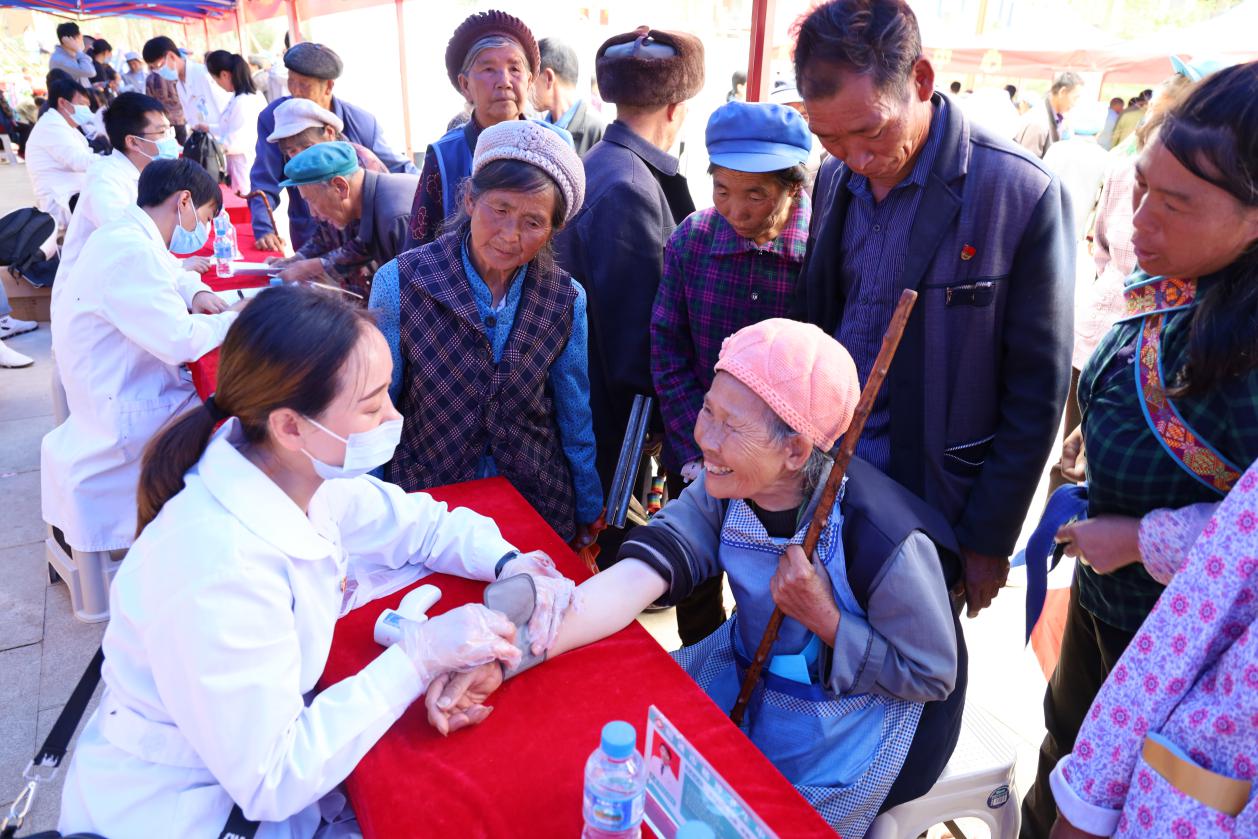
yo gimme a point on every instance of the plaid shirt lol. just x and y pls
(715, 282)
(1129, 472)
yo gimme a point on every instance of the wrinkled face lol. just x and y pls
(496, 84)
(1185, 226)
(318, 91)
(740, 454)
(290, 147)
(752, 202)
(510, 228)
(542, 91)
(329, 201)
(875, 132)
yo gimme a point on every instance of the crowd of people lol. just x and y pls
(506, 301)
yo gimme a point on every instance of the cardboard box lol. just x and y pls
(29, 302)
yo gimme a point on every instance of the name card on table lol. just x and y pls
(682, 786)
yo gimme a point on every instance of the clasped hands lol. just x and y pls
(456, 698)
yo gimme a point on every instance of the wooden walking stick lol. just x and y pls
(847, 447)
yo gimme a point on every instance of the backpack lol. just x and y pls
(21, 234)
(203, 149)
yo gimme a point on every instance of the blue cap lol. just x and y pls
(619, 738)
(1197, 70)
(319, 163)
(757, 137)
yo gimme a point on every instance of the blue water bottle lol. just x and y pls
(223, 245)
(615, 786)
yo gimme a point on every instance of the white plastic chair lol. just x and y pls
(977, 783)
(87, 575)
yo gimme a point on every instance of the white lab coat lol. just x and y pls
(237, 132)
(111, 186)
(202, 99)
(221, 621)
(57, 156)
(121, 333)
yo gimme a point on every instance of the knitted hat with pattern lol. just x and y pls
(804, 375)
(543, 147)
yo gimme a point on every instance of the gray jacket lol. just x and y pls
(80, 66)
(978, 385)
(384, 227)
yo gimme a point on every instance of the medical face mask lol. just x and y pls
(364, 450)
(167, 73)
(82, 115)
(189, 241)
(167, 148)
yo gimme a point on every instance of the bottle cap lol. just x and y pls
(276, 281)
(619, 738)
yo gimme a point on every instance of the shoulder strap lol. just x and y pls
(57, 743)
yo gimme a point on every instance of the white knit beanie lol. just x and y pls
(542, 146)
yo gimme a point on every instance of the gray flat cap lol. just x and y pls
(314, 60)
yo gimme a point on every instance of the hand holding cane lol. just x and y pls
(847, 447)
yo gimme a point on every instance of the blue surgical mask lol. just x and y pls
(167, 73)
(364, 450)
(82, 115)
(167, 148)
(185, 241)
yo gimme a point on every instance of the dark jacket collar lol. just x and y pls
(652, 155)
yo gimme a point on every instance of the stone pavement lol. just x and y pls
(43, 648)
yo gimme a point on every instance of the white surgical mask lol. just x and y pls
(185, 241)
(82, 115)
(167, 148)
(364, 450)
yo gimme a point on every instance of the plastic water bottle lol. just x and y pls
(223, 245)
(615, 786)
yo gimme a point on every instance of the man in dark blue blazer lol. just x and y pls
(312, 72)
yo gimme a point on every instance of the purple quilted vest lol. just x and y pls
(458, 404)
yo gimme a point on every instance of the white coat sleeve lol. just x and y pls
(73, 153)
(381, 524)
(190, 285)
(226, 661)
(144, 304)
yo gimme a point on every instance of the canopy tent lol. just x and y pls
(1228, 38)
(174, 10)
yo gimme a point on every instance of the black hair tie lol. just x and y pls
(216, 413)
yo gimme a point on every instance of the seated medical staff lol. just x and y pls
(371, 209)
(870, 661)
(139, 132)
(57, 153)
(253, 540)
(121, 334)
(489, 336)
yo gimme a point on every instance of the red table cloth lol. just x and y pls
(520, 773)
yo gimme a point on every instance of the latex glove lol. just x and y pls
(459, 639)
(1074, 458)
(556, 595)
(1106, 543)
(303, 269)
(456, 700)
(197, 264)
(800, 591)
(208, 303)
(270, 242)
(692, 470)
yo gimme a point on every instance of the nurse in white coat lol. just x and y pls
(237, 130)
(121, 335)
(223, 613)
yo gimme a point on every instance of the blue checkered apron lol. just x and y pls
(842, 752)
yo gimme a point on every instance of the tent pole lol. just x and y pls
(759, 81)
(205, 30)
(406, 96)
(240, 29)
(294, 22)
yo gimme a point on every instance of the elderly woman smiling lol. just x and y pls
(491, 60)
(866, 667)
(489, 336)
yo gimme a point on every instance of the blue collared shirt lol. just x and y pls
(565, 120)
(875, 244)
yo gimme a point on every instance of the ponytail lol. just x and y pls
(286, 350)
(220, 61)
(167, 457)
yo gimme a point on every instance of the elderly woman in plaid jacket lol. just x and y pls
(489, 336)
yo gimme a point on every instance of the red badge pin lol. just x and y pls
(967, 253)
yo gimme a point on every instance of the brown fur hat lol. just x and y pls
(645, 80)
(482, 25)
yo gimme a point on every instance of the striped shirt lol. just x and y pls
(875, 244)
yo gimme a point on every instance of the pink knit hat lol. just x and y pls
(803, 374)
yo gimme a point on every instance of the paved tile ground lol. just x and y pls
(43, 649)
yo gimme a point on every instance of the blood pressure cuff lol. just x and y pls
(516, 597)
